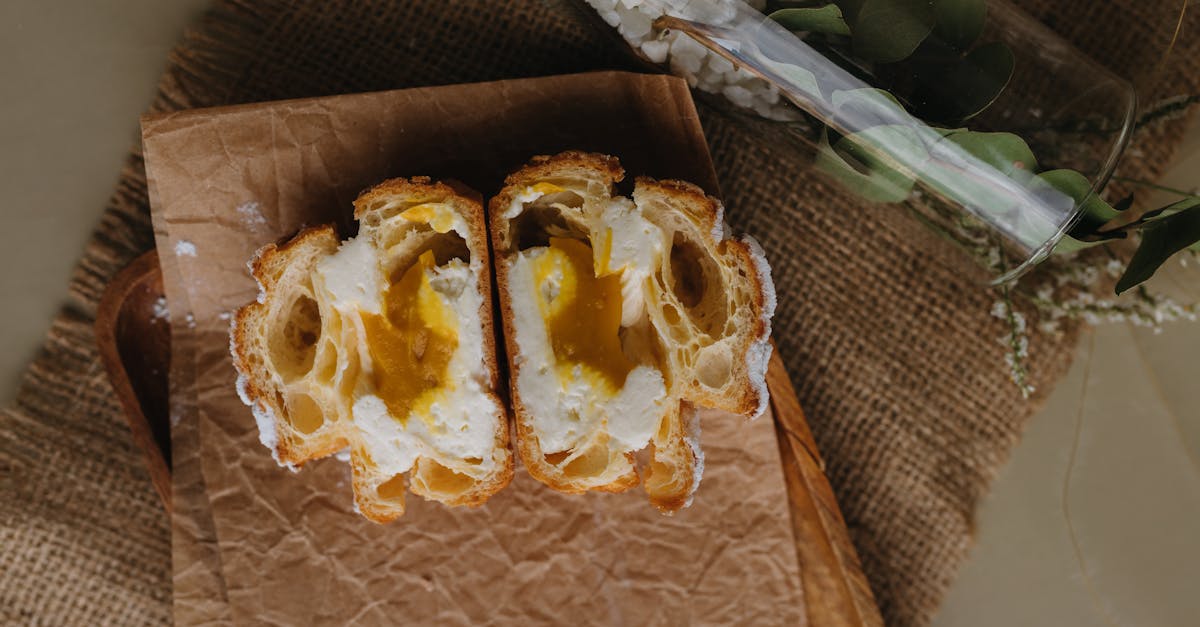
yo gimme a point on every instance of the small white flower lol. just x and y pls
(1018, 319)
(1114, 268)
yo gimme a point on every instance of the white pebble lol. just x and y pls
(687, 58)
(719, 64)
(635, 25)
(686, 66)
(656, 50)
(738, 95)
(713, 12)
(711, 82)
(742, 75)
(686, 46)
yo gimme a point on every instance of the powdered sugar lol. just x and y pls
(184, 248)
(251, 214)
(691, 435)
(160, 309)
(758, 357)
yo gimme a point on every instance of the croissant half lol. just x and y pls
(621, 316)
(383, 344)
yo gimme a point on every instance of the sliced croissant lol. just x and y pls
(620, 316)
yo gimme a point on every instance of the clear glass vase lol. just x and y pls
(997, 132)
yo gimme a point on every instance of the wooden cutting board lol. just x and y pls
(134, 342)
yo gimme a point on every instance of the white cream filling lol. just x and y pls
(518, 204)
(564, 410)
(462, 424)
(353, 278)
(637, 246)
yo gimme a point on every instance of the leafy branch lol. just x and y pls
(930, 53)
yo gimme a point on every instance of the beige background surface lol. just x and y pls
(1092, 523)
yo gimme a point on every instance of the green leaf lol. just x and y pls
(826, 19)
(865, 108)
(1161, 239)
(867, 163)
(964, 87)
(1069, 244)
(1095, 211)
(887, 31)
(951, 174)
(988, 173)
(794, 76)
(960, 22)
(850, 8)
(1171, 209)
(1005, 152)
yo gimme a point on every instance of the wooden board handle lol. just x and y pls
(835, 589)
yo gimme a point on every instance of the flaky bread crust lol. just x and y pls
(715, 349)
(283, 272)
(287, 270)
(747, 280)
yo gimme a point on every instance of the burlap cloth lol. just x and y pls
(888, 339)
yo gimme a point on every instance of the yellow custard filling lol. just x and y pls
(440, 217)
(411, 343)
(582, 314)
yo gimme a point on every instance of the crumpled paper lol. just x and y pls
(287, 548)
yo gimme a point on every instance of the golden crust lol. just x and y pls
(544, 167)
(418, 189)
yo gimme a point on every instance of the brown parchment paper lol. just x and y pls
(226, 181)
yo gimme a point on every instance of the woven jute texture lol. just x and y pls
(884, 327)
